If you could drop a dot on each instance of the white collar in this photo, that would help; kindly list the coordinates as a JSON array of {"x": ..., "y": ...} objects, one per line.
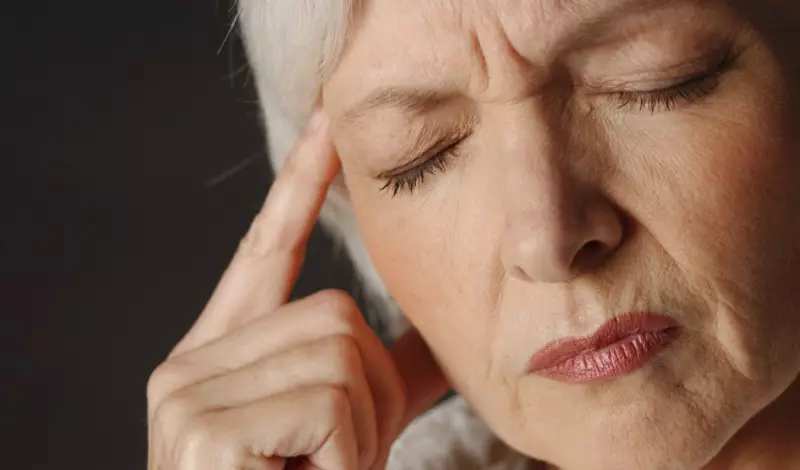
[{"x": 452, "y": 437}]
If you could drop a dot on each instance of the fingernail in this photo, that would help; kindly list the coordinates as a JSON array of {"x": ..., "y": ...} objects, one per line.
[{"x": 318, "y": 121}]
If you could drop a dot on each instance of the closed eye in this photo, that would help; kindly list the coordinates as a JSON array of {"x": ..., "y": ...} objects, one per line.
[
  {"x": 690, "y": 90},
  {"x": 407, "y": 180}
]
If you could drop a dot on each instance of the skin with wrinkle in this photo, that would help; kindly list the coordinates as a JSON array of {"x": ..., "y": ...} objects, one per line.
[{"x": 563, "y": 206}]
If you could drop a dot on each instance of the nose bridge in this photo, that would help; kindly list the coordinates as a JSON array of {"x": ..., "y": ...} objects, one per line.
[
  {"x": 538, "y": 186},
  {"x": 550, "y": 214}
]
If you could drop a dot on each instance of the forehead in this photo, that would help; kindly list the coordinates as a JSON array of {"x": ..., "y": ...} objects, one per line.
[
  {"x": 529, "y": 26},
  {"x": 416, "y": 37},
  {"x": 448, "y": 43}
]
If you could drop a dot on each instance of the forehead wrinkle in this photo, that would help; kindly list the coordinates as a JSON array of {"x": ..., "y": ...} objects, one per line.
[
  {"x": 528, "y": 33},
  {"x": 560, "y": 26},
  {"x": 548, "y": 9}
]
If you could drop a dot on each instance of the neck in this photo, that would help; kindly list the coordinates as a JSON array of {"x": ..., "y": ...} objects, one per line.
[{"x": 771, "y": 439}]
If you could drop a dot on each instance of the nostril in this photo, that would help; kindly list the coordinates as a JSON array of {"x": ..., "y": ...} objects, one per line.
[
  {"x": 590, "y": 254},
  {"x": 593, "y": 248}
]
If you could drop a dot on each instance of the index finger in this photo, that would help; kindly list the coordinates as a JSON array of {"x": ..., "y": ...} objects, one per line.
[{"x": 263, "y": 271}]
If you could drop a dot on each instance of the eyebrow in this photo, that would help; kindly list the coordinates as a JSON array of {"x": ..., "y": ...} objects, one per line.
[
  {"x": 410, "y": 100},
  {"x": 592, "y": 31}
]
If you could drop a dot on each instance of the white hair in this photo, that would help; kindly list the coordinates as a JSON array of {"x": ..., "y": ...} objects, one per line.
[{"x": 292, "y": 46}]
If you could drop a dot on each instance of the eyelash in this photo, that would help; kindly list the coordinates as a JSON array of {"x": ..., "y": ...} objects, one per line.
[
  {"x": 412, "y": 178},
  {"x": 690, "y": 91}
]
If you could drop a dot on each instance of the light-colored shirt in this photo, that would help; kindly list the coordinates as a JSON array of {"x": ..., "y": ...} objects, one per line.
[{"x": 452, "y": 437}]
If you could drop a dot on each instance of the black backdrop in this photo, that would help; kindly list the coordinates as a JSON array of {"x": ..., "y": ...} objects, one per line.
[{"x": 133, "y": 163}]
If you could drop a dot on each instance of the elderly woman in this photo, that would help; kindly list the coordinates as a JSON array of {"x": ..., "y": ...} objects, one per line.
[{"x": 587, "y": 210}]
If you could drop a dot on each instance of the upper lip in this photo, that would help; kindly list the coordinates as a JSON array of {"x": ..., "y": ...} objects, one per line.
[{"x": 561, "y": 350}]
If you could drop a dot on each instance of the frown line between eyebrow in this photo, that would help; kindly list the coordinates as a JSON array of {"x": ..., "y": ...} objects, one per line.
[{"x": 592, "y": 30}]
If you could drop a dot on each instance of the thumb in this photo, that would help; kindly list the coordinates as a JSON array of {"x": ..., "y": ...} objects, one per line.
[{"x": 423, "y": 378}]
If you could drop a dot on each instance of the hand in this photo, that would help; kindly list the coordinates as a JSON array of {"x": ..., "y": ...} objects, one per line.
[{"x": 262, "y": 384}]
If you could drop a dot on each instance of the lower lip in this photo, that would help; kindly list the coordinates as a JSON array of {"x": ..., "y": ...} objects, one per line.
[{"x": 620, "y": 358}]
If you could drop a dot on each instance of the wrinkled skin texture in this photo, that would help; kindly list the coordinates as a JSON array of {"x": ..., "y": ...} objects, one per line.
[{"x": 565, "y": 207}]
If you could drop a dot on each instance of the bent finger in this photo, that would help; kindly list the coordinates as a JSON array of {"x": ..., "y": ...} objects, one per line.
[
  {"x": 324, "y": 314},
  {"x": 313, "y": 423},
  {"x": 333, "y": 361}
]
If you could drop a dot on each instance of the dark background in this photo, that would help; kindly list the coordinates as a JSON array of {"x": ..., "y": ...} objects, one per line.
[{"x": 134, "y": 162}]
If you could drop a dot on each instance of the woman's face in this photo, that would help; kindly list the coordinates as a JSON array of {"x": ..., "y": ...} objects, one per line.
[{"x": 525, "y": 170}]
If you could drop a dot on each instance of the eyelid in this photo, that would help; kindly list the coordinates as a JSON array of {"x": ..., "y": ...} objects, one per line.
[
  {"x": 687, "y": 71},
  {"x": 431, "y": 141},
  {"x": 690, "y": 89},
  {"x": 422, "y": 157},
  {"x": 410, "y": 179}
]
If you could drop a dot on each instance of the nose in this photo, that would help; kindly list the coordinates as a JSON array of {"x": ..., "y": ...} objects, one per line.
[
  {"x": 559, "y": 220},
  {"x": 554, "y": 239},
  {"x": 558, "y": 223}
]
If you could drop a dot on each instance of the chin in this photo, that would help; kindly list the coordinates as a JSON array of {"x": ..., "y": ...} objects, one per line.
[
  {"x": 673, "y": 440},
  {"x": 639, "y": 439},
  {"x": 641, "y": 422}
]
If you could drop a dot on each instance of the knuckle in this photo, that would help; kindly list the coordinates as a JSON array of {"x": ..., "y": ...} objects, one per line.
[
  {"x": 162, "y": 381},
  {"x": 195, "y": 440},
  {"x": 334, "y": 405},
  {"x": 258, "y": 242},
  {"x": 173, "y": 412},
  {"x": 336, "y": 298},
  {"x": 346, "y": 353},
  {"x": 168, "y": 425},
  {"x": 339, "y": 304}
]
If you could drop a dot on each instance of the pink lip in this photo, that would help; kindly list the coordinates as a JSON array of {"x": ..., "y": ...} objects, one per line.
[{"x": 619, "y": 347}]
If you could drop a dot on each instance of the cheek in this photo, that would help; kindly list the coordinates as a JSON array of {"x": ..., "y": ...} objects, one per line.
[
  {"x": 436, "y": 252},
  {"x": 410, "y": 249},
  {"x": 723, "y": 205}
]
